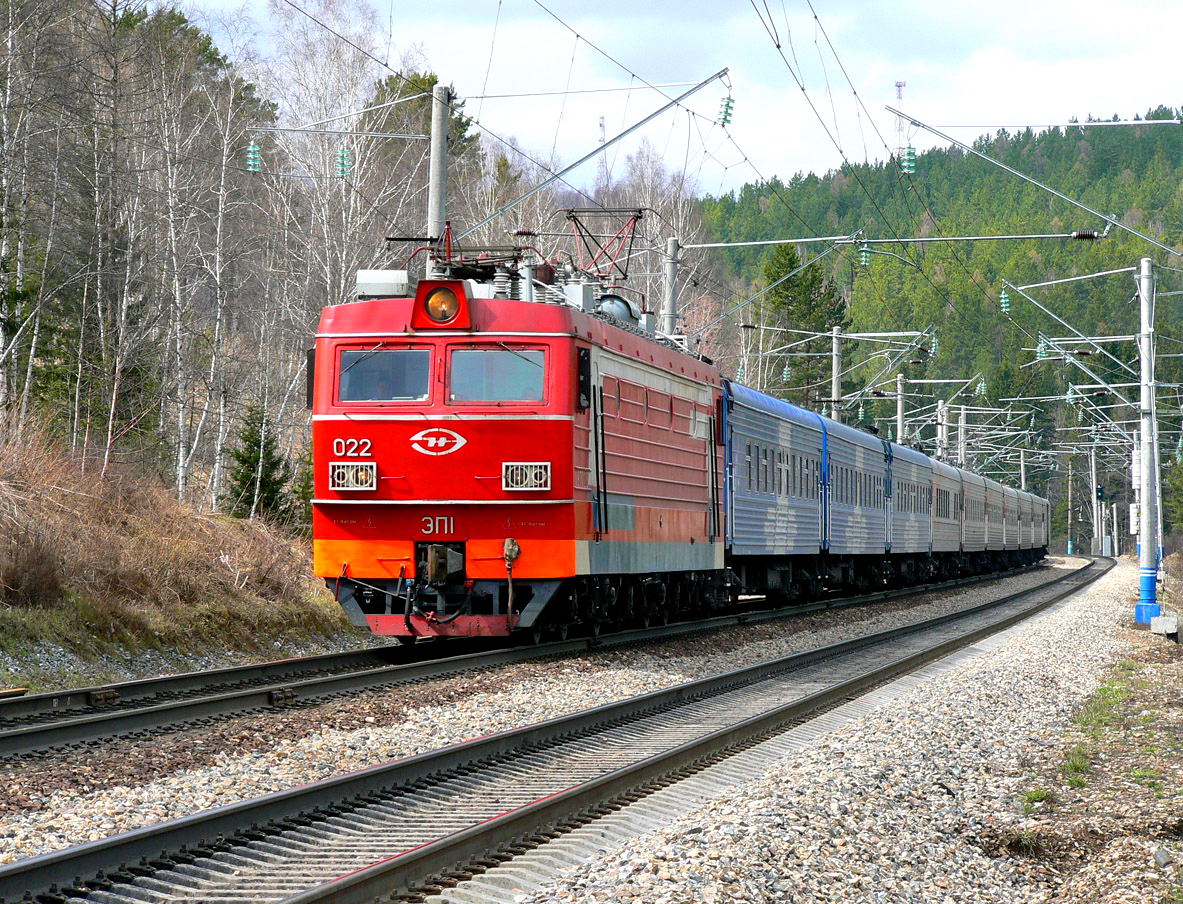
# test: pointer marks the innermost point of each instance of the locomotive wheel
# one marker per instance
(537, 632)
(562, 630)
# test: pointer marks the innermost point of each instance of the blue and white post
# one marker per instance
(1148, 521)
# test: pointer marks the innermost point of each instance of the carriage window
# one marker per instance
(384, 375)
(497, 375)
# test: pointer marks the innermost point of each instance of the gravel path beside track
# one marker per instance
(50, 804)
(907, 805)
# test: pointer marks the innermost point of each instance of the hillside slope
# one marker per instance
(111, 576)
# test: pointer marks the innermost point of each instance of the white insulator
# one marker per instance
(501, 283)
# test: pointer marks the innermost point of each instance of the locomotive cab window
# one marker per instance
(497, 375)
(384, 375)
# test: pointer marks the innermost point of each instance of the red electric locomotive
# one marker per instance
(486, 464)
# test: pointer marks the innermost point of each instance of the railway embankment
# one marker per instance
(1044, 769)
(106, 577)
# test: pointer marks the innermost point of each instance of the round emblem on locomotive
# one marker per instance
(437, 441)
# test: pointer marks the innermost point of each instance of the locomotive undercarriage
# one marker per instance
(556, 607)
(592, 604)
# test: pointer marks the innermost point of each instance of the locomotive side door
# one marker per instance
(598, 463)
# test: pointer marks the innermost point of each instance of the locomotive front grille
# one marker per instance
(525, 475)
(353, 475)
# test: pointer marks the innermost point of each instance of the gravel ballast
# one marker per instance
(907, 805)
(54, 805)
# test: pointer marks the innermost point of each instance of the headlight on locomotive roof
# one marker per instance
(441, 304)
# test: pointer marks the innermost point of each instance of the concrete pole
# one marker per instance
(1069, 505)
(942, 430)
(1116, 535)
(899, 408)
(1148, 519)
(962, 439)
(437, 169)
(1096, 545)
(1023, 469)
(836, 372)
(669, 303)
(1136, 482)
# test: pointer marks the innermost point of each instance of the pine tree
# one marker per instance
(257, 484)
(808, 300)
(302, 490)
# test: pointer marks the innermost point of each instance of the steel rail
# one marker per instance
(53, 704)
(174, 702)
(183, 841)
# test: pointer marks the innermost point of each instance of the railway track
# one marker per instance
(38, 724)
(432, 820)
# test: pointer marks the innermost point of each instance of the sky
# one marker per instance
(969, 67)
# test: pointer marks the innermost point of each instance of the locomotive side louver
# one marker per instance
(525, 475)
(353, 475)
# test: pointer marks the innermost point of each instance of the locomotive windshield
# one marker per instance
(384, 375)
(497, 375)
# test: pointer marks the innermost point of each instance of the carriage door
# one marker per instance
(887, 519)
(824, 486)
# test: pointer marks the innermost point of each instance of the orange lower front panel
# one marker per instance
(379, 541)
(485, 559)
(363, 558)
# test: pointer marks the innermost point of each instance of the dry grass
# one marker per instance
(89, 561)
